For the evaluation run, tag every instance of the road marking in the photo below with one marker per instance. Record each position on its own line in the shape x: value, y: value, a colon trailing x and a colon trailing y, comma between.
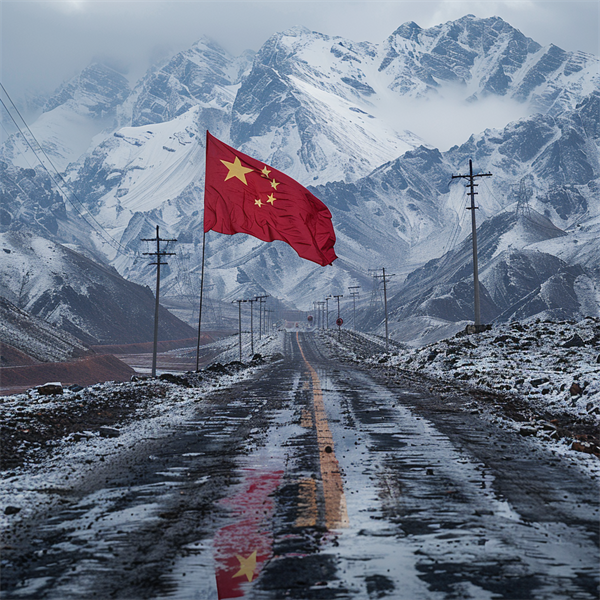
x: 336, y: 512
x: 307, y: 505
x: 306, y: 419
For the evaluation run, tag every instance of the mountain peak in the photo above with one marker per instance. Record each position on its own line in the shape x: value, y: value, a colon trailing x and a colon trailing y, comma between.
x: 409, y: 30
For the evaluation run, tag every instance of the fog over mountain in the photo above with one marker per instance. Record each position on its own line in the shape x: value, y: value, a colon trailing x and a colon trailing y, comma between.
x: 363, y: 124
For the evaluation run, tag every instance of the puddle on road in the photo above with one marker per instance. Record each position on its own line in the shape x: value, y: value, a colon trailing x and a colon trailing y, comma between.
x: 212, y: 563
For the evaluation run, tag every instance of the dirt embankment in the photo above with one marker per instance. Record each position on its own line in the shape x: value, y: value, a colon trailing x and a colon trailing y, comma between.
x: 86, y: 371
x: 13, y: 357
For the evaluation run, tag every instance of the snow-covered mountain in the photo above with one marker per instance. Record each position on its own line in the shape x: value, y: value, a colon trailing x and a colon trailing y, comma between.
x: 78, y: 295
x: 326, y: 110
x: 80, y: 110
x: 527, y: 263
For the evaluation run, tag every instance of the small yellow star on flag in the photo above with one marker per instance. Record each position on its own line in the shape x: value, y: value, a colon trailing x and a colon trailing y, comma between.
x: 265, y: 172
x: 247, y: 566
x: 274, y: 184
x: 258, y: 202
x: 271, y: 199
x: 236, y: 169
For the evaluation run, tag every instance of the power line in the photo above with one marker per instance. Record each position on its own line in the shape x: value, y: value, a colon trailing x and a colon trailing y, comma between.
x: 116, y: 245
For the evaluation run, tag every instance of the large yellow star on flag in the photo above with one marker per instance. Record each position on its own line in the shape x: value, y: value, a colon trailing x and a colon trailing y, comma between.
x: 236, y: 169
x: 247, y: 566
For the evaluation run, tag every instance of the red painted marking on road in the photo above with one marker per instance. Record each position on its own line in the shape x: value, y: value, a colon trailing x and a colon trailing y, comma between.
x: 242, y: 548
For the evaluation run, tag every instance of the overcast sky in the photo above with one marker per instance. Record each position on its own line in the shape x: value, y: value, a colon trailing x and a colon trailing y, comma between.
x: 45, y: 43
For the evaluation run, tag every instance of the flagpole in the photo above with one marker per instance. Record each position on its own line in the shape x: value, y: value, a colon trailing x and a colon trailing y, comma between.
x: 201, y: 296
x: 202, y: 270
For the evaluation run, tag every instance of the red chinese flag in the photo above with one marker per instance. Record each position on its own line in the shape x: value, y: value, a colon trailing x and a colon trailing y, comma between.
x: 243, y: 195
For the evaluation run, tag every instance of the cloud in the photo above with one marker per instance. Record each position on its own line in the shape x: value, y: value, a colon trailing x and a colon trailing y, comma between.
x: 45, y: 43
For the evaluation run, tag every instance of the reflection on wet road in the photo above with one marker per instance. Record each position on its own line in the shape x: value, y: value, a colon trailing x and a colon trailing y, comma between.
x: 316, y: 480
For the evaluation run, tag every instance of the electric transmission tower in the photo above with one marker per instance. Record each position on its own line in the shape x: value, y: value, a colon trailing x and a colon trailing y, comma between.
x: 523, y: 194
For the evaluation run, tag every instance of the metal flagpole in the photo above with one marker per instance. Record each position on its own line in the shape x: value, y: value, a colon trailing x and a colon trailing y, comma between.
x: 201, y: 295
x: 202, y: 271
x: 252, y: 327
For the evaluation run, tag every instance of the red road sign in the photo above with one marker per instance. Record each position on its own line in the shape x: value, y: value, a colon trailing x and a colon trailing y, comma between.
x: 339, y: 321
x: 310, y: 318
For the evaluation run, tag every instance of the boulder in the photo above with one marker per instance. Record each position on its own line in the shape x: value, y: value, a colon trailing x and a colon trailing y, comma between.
x: 576, y: 389
x: 51, y: 388
x: 574, y: 342
x: 109, y: 432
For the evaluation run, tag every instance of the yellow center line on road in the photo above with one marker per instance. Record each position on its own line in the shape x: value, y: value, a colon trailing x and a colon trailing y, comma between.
x: 336, y: 512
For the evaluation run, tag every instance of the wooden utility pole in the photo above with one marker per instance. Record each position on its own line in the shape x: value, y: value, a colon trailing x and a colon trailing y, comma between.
x: 338, y: 314
x: 159, y: 253
x: 471, y: 185
x: 321, y: 314
x: 239, y: 323
x: 354, y: 292
x: 251, y: 326
x: 261, y: 301
x: 384, y: 277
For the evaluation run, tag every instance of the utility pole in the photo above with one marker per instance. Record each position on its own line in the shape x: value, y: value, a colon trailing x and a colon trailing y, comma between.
x: 338, y: 317
x: 384, y: 277
x: 251, y: 327
x: 471, y: 185
x: 239, y: 323
x: 354, y: 292
x: 261, y: 301
x: 523, y: 194
x: 321, y: 314
x: 159, y: 253
x: 327, y: 311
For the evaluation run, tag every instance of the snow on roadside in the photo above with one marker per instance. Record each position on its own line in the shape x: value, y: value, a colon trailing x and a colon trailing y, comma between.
x: 553, y: 366
x: 67, y: 460
x: 551, y: 369
x: 266, y: 346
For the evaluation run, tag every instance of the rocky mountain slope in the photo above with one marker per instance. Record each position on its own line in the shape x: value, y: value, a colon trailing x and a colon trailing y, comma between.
x: 25, y: 339
x: 78, y: 295
x: 79, y: 110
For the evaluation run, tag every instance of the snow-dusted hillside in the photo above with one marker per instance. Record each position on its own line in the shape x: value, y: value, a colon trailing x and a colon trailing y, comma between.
x: 78, y: 295
x: 37, y: 339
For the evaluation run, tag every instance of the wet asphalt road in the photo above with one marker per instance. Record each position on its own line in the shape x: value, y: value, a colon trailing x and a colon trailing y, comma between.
x: 318, y: 480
